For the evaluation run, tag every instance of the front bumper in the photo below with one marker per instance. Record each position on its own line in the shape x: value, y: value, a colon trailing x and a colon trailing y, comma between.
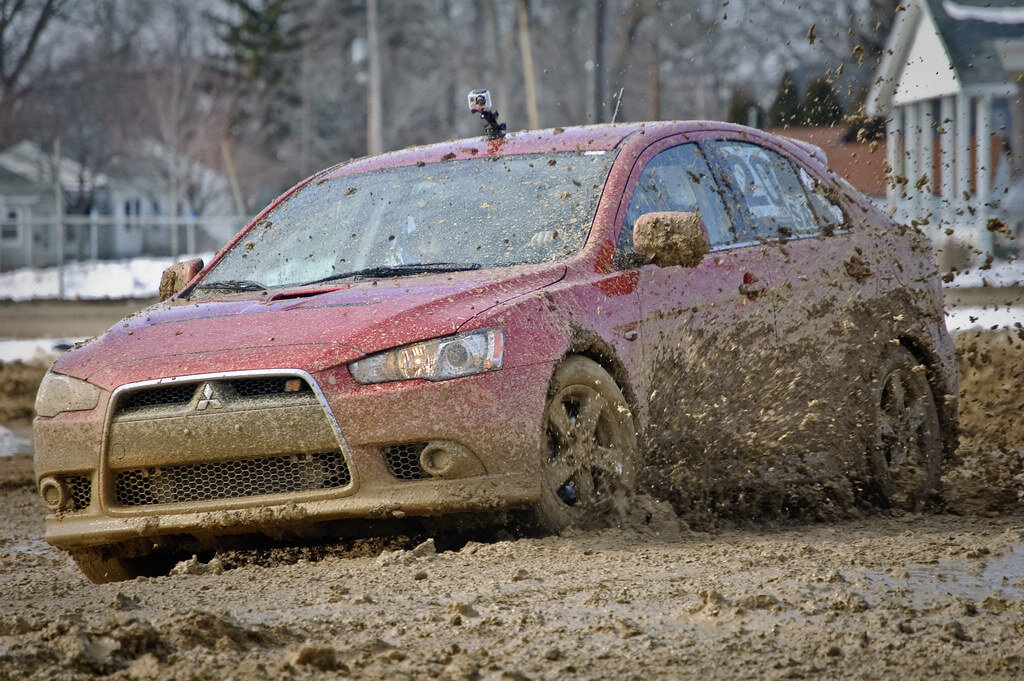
x: 494, y: 416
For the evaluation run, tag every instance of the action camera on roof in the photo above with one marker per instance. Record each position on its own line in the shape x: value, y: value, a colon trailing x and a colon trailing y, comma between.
x: 480, y: 103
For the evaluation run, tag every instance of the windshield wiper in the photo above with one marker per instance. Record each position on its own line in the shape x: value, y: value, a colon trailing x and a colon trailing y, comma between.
x: 232, y: 285
x: 398, y: 271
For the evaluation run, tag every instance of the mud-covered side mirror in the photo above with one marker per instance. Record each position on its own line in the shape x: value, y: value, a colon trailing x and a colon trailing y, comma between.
x: 177, y: 275
x: 671, y: 238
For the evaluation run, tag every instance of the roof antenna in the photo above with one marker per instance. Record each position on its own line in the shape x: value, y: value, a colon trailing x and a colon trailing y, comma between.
x: 618, y: 100
x: 480, y: 102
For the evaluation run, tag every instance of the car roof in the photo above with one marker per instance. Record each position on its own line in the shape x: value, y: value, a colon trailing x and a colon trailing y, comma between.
x: 581, y: 138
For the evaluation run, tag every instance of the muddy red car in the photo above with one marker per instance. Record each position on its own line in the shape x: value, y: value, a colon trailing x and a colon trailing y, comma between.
x: 539, y: 322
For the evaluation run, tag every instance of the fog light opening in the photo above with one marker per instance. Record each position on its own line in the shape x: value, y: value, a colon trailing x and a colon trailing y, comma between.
x: 443, y: 459
x: 56, y: 495
x: 436, y: 460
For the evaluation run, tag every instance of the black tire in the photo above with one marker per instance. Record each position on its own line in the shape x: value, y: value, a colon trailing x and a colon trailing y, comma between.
x: 103, y: 565
x: 590, y: 458
x: 906, y: 456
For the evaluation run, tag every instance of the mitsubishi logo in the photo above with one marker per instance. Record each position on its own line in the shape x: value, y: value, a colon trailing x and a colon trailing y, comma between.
x: 208, y: 399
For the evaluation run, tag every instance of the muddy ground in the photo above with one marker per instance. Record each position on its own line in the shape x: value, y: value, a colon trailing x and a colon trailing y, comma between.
x: 874, y: 595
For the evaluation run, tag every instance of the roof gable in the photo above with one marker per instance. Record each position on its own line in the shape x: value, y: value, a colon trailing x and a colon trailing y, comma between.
x: 927, y: 70
x: 942, y: 47
x: 973, y: 35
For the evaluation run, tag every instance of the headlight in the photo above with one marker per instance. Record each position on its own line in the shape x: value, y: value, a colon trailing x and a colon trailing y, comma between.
x: 439, y: 359
x: 58, y: 393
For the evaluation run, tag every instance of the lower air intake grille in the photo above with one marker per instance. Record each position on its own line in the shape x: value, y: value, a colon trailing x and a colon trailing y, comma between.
x: 81, y: 491
x: 231, y: 479
x: 403, y: 460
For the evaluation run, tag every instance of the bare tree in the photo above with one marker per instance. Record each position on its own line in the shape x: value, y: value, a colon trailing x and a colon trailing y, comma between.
x: 22, y: 25
x: 286, y: 85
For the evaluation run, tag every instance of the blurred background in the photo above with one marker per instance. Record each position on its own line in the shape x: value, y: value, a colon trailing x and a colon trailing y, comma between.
x: 157, y: 127
x: 134, y: 133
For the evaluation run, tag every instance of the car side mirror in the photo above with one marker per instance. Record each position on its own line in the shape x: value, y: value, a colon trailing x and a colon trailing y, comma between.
x: 671, y: 238
x: 177, y: 276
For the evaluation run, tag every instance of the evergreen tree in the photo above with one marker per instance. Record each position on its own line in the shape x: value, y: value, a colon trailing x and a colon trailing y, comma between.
x: 820, y: 106
x: 739, y: 108
x: 785, y: 109
x: 262, y: 40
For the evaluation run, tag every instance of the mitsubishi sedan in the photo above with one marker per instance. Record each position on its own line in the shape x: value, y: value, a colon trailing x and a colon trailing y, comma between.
x: 530, y: 327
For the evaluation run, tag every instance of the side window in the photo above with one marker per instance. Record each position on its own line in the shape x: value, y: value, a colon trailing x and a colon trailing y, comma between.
x: 678, y: 179
x: 830, y: 216
x: 770, y: 202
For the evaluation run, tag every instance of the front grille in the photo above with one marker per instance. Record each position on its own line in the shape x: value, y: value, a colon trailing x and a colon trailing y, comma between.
x: 267, y: 385
x: 157, y: 396
x: 231, y: 479
x: 81, y: 491
x: 403, y: 461
x: 181, y: 394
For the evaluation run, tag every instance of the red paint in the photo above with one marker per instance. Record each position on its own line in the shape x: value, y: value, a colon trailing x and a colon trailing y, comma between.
x: 620, y: 284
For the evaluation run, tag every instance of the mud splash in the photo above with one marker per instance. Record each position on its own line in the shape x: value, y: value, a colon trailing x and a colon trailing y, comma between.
x: 987, y: 473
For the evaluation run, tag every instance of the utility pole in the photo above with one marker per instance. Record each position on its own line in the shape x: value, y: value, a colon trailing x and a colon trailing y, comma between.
x: 600, y: 72
x: 529, y: 80
x: 655, y: 83
x: 305, y: 113
x: 374, y: 114
x: 58, y: 213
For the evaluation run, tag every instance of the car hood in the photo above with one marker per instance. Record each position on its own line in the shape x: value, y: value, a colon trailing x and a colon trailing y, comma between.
x: 311, y: 329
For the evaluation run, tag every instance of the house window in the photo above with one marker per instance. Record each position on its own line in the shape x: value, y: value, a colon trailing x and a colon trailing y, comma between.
x: 10, y: 228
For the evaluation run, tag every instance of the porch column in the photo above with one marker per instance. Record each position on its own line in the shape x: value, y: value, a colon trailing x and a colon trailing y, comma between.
x: 912, y: 151
x: 963, y: 150
x: 926, y: 170
x: 30, y: 238
x: 894, y: 157
x: 947, y: 190
x: 983, y: 173
x: 948, y: 124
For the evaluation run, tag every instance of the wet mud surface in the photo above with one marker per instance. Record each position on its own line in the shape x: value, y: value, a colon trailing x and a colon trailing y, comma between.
x: 916, y: 596
x: 841, y: 594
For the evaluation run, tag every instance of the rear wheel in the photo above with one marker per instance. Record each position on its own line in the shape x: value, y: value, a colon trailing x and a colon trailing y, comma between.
x: 906, y: 457
x: 590, y: 458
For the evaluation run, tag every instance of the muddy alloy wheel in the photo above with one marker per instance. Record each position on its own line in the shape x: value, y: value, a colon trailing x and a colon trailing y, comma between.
x: 907, y: 452
x: 590, y: 457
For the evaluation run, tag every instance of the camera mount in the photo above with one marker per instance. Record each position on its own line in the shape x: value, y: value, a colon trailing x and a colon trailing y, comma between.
x: 480, y: 102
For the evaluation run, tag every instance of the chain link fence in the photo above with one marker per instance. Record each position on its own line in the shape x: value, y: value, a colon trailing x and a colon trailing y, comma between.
x: 46, y: 244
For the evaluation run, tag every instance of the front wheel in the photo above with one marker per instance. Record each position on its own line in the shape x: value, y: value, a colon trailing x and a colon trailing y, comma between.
x: 906, y: 456
x: 590, y: 458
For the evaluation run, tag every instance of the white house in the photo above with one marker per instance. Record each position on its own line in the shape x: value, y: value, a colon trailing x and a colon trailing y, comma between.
x: 948, y: 85
x: 124, y: 213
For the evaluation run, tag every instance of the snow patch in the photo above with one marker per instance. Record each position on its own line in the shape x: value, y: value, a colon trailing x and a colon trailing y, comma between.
x: 962, y: 318
x: 134, y: 278
x: 1001, y: 274
x: 11, y: 444
x: 34, y: 350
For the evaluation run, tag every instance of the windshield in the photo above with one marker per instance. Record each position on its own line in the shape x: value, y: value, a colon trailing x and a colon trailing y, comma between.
x: 481, y: 212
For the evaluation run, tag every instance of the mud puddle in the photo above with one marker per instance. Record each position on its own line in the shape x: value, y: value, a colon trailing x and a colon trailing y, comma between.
x: 984, y: 577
